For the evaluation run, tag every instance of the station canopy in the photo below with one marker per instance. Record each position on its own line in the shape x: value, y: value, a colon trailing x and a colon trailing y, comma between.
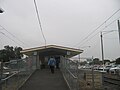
x: 51, y: 50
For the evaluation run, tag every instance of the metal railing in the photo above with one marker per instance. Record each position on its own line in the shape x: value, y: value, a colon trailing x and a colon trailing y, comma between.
x: 16, y: 72
x: 80, y: 79
x: 70, y: 72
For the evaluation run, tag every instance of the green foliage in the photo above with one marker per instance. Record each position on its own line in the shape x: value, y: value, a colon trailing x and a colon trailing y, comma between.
x: 106, y: 61
x: 96, y: 61
x: 9, y: 53
x: 83, y: 63
x: 4, y: 55
x: 118, y: 60
x: 17, y: 50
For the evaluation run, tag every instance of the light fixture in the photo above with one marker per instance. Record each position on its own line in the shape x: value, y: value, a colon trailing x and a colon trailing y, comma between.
x: 1, y: 10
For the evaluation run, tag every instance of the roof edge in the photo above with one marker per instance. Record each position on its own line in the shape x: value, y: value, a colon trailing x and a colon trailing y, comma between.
x: 51, y: 46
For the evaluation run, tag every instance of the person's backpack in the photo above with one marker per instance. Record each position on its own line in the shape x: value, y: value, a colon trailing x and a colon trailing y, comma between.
x: 51, y: 62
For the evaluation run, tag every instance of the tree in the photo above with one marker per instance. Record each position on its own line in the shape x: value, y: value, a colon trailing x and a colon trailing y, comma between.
x: 9, y: 53
x: 118, y: 60
x: 96, y: 61
x: 17, y: 50
x: 83, y: 63
x: 106, y: 61
x: 4, y: 56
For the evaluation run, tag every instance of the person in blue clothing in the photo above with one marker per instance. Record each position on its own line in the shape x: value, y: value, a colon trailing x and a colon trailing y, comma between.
x: 52, y: 63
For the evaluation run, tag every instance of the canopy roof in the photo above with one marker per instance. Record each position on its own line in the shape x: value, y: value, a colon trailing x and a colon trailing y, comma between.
x: 51, y: 50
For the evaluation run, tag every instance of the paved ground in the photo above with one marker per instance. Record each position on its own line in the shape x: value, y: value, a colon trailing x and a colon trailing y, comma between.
x: 45, y: 80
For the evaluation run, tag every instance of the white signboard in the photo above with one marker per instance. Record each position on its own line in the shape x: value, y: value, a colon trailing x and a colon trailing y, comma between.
x: 35, y: 53
x: 68, y: 53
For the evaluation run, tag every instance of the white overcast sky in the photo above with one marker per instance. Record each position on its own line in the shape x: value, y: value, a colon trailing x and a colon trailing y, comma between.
x: 64, y: 22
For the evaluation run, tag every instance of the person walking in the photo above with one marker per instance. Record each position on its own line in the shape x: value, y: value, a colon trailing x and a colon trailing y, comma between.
x: 57, y: 62
x: 52, y: 63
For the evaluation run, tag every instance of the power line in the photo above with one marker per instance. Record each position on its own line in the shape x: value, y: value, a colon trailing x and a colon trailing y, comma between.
x: 106, y: 32
x: 111, y: 23
x: 110, y: 38
x: 9, y: 38
x: 89, y: 38
x: 98, y: 27
x: 38, y: 17
x: 103, y: 29
x: 12, y: 35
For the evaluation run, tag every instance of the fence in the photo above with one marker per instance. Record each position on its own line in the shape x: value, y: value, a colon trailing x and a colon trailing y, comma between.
x: 70, y: 72
x: 16, y: 72
x: 80, y: 79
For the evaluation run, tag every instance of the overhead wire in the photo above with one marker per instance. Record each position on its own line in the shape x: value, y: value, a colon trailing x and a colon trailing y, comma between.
x: 1, y: 42
x: 9, y: 38
x: 110, y: 38
x: 89, y: 38
x: 102, y: 29
x: 38, y: 16
x: 111, y: 23
x: 98, y: 27
x: 39, y: 21
x: 12, y: 35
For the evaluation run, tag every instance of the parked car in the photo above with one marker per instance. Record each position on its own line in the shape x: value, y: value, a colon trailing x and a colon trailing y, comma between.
x: 115, y: 69
x: 96, y: 67
x: 101, y: 68
x: 107, y: 68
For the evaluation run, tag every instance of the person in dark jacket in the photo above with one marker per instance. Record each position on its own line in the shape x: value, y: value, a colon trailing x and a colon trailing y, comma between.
x: 52, y: 63
x: 57, y: 62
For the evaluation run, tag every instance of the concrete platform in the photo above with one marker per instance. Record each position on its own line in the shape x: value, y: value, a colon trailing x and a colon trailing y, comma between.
x: 45, y: 80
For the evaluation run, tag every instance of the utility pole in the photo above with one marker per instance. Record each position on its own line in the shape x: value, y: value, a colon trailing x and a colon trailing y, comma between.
x: 119, y: 29
x: 79, y: 59
x: 93, y: 82
x: 102, y: 49
x: 1, y: 74
x: 1, y: 67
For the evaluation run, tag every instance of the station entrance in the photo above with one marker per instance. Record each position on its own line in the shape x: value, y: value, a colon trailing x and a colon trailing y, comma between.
x: 42, y: 54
